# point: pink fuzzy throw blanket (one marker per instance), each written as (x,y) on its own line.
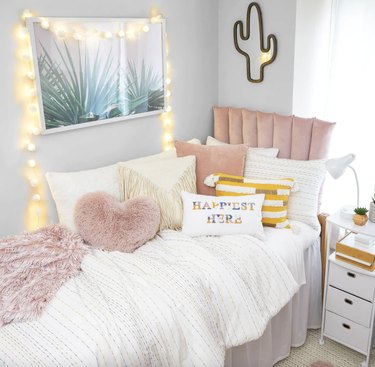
(33,267)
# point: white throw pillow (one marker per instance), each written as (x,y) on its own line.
(211,215)
(267,152)
(68,187)
(162,180)
(309,176)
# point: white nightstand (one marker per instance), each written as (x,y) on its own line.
(349,294)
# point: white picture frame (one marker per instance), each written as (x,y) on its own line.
(94,71)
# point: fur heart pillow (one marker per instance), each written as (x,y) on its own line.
(106,223)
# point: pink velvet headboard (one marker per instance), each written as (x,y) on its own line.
(296,137)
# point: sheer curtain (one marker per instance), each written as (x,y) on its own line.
(350,99)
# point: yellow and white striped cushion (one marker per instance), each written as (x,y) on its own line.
(274,209)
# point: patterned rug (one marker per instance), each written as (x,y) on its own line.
(330,352)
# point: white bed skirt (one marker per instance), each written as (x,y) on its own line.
(289,327)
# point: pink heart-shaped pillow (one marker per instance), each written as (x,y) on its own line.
(106,223)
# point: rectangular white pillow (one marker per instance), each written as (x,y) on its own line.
(309,176)
(68,187)
(267,152)
(211,215)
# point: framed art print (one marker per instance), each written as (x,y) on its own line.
(92,71)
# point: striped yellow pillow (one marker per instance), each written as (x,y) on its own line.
(274,209)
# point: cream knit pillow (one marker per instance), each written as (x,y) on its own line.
(162,180)
(308,175)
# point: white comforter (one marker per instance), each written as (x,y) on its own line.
(177,301)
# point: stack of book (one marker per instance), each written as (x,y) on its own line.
(357,250)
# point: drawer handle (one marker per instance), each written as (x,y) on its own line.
(348,301)
(351,275)
(346,326)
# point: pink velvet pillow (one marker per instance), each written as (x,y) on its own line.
(104,222)
(229,159)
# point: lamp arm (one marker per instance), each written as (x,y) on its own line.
(356,180)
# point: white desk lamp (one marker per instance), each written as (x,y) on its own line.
(336,167)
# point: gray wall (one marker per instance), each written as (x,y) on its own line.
(192,31)
(275,93)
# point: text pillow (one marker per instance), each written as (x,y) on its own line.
(274,210)
(210,215)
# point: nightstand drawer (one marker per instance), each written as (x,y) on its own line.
(352,282)
(349,306)
(347,332)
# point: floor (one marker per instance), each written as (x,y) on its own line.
(331,351)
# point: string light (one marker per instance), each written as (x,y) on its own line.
(44,24)
(121,33)
(31,147)
(36,197)
(35,215)
(31,163)
(77,36)
(107,35)
(145,28)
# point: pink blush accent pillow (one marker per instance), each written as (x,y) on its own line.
(105,223)
(210,159)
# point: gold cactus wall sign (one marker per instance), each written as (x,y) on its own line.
(266,54)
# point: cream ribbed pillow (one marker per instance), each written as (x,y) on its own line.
(162,180)
(308,175)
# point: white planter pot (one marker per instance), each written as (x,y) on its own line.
(371,214)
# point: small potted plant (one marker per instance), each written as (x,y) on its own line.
(360,217)
(372,209)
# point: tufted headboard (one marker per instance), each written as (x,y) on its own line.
(296,137)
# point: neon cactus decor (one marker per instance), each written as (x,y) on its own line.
(267,53)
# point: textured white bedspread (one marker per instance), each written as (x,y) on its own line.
(176,301)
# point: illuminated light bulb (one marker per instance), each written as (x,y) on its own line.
(31,147)
(167,122)
(34,182)
(168,138)
(44,24)
(26,14)
(33,108)
(30,92)
(168,81)
(60,33)
(23,33)
(264,57)
(36,197)
(145,28)
(26,56)
(167,148)
(30,75)
(77,36)
(130,34)
(35,131)
(108,35)
(31,163)
(121,33)
(168,94)
(155,19)
(169,109)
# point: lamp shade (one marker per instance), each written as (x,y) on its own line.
(336,166)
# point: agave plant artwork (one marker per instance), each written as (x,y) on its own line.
(78,88)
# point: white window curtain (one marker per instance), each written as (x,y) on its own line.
(350,99)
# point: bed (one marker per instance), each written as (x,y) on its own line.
(190,302)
